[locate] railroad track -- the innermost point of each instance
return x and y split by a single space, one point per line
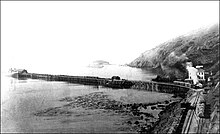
190 115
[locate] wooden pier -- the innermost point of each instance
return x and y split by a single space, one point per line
109 82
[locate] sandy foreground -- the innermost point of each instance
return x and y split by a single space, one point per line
40 106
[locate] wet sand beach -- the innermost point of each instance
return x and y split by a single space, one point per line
42 106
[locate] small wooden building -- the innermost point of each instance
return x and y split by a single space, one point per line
22 71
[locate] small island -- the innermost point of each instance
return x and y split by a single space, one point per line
101 62
98 64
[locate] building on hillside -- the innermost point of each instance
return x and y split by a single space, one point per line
196 74
201 72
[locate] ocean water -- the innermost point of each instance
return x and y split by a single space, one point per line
20 99
106 71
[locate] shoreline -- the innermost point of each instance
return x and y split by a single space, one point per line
165 124
140 117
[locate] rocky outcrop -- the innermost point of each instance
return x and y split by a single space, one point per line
168 119
201 47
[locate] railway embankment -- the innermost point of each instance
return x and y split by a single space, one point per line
198 112
209 121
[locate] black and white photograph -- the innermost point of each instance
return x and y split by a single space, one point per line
109 66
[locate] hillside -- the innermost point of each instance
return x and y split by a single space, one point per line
201 47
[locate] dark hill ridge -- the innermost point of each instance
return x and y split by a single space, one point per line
201 47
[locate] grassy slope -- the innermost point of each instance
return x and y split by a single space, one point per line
201 47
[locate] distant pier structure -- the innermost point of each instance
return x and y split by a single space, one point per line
114 82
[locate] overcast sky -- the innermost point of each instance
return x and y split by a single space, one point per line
57 33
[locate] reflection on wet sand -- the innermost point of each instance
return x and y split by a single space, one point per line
42 106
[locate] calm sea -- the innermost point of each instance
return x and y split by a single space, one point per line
107 71
21 98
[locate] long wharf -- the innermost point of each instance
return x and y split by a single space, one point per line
109 82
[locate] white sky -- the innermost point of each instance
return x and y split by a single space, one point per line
56 33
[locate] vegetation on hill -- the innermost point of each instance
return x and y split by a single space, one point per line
201 47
